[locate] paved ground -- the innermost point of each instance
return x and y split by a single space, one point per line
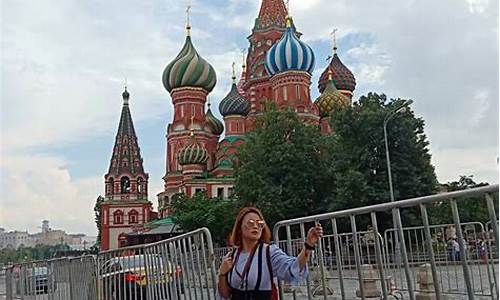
451 278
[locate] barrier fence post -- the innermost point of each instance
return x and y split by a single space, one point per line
8 283
430 251
357 257
338 256
303 240
378 255
461 244
409 280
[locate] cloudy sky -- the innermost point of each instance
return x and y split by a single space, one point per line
64 63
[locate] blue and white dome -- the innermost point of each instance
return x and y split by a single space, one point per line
289 54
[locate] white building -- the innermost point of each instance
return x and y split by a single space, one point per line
48 236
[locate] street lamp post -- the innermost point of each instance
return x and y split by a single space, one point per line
389 173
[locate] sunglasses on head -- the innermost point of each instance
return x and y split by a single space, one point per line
252 223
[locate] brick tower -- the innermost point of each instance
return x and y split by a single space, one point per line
268 29
126 185
290 63
193 134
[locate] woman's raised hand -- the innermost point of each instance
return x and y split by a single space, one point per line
227 264
314 234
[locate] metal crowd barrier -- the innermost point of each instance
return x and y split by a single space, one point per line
58 279
182 267
219 255
388 265
481 255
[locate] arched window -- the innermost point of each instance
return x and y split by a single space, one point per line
133 217
125 185
122 240
118 217
111 186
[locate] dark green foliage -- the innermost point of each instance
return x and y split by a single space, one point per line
359 163
282 168
289 170
470 209
39 252
97 212
360 160
200 211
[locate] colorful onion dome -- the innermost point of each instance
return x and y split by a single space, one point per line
215 125
193 154
342 76
189 69
331 99
289 54
234 103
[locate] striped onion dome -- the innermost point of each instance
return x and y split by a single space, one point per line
189 69
289 53
193 154
215 125
234 103
342 76
331 99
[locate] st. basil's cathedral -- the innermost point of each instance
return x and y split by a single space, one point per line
278 69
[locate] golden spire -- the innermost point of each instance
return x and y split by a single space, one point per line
234 73
188 21
288 17
243 58
192 127
334 34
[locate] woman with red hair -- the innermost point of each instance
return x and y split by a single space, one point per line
247 273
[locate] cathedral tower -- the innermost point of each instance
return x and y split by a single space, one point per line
290 62
189 79
268 29
126 185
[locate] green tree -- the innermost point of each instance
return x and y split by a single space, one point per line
358 161
97 213
201 211
38 252
281 167
473 209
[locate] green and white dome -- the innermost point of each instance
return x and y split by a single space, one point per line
189 69
193 154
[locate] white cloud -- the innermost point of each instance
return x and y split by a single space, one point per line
438 53
371 73
479 106
36 188
62 73
481 163
375 64
64 63
478 6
